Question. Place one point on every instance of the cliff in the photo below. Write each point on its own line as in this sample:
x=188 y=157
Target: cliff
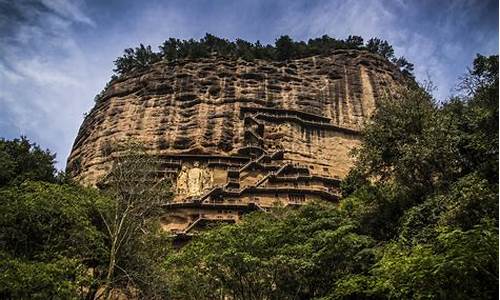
x=238 y=135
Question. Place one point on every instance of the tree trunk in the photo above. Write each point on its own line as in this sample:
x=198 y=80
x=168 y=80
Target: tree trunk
x=111 y=270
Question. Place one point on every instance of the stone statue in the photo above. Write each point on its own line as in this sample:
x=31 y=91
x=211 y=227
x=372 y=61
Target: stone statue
x=182 y=181
x=193 y=181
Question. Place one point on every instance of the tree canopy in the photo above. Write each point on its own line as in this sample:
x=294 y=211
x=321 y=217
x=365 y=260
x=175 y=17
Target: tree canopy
x=284 y=48
x=20 y=160
x=58 y=239
x=50 y=238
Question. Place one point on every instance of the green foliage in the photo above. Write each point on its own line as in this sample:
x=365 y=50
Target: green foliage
x=281 y=255
x=50 y=238
x=470 y=201
x=137 y=58
x=430 y=173
x=381 y=47
x=285 y=48
x=404 y=66
x=55 y=239
x=354 y=42
x=21 y=160
x=410 y=142
x=141 y=263
x=457 y=265
x=43 y=220
x=477 y=118
x=60 y=279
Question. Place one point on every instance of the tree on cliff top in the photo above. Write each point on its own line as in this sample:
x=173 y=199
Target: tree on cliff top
x=285 y=48
x=137 y=58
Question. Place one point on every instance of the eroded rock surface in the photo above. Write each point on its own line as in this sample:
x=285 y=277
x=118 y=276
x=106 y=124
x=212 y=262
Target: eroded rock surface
x=238 y=135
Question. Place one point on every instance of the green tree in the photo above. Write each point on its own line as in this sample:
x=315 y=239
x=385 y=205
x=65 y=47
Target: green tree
x=409 y=143
x=476 y=115
x=244 y=49
x=354 y=42
x=138 y=58
x=280 y=255
x=51 y=245
x=381 y=47
x=285 y=48
x=21 y=160
x=457 y=265
x=426 y=183
x=169 y=50
x=404 y=66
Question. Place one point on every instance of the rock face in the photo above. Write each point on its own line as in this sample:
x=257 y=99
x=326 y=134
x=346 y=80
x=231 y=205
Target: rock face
x=238 y=135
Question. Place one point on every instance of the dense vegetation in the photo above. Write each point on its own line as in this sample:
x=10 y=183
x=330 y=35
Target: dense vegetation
x=59 y=240
x=21 y=160
x=284 y=48
x=419 y=220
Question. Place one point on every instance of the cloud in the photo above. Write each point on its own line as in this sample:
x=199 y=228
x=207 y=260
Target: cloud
x=55 y=55
x=43 y=72
x=437 y=36
x=69 y=10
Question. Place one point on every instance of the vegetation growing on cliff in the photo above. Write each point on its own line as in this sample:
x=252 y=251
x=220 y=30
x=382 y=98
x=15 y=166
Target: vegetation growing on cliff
x=285 y=48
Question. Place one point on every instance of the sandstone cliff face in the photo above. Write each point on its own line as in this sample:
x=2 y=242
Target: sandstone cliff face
x=231 y=129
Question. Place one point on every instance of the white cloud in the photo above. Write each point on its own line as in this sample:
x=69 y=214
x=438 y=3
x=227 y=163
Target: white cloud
x=69 y=9
x=45 y=82
x=433 y=53
x=49 y=74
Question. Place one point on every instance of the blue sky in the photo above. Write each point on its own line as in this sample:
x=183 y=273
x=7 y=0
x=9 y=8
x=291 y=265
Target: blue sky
x=56 y=55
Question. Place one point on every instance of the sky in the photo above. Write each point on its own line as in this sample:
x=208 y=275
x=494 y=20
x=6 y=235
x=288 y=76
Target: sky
x=56 y=55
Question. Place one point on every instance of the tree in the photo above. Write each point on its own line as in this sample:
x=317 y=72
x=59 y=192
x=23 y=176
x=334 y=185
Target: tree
x=138 y=196
x=476 y=113
x=264 y=52
x=21 y=160
x=65 y=241
x=410 y=143
x=426 y=183
x=284 y=254
x=457 y=265
x=323 y=45
x=220 y=46
x=51 y=244
x=170 y=48
x=381 y=47
x=354 y=42
x=137 y=58
x=244 y=49
x=404 y=66
x=285 y=48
